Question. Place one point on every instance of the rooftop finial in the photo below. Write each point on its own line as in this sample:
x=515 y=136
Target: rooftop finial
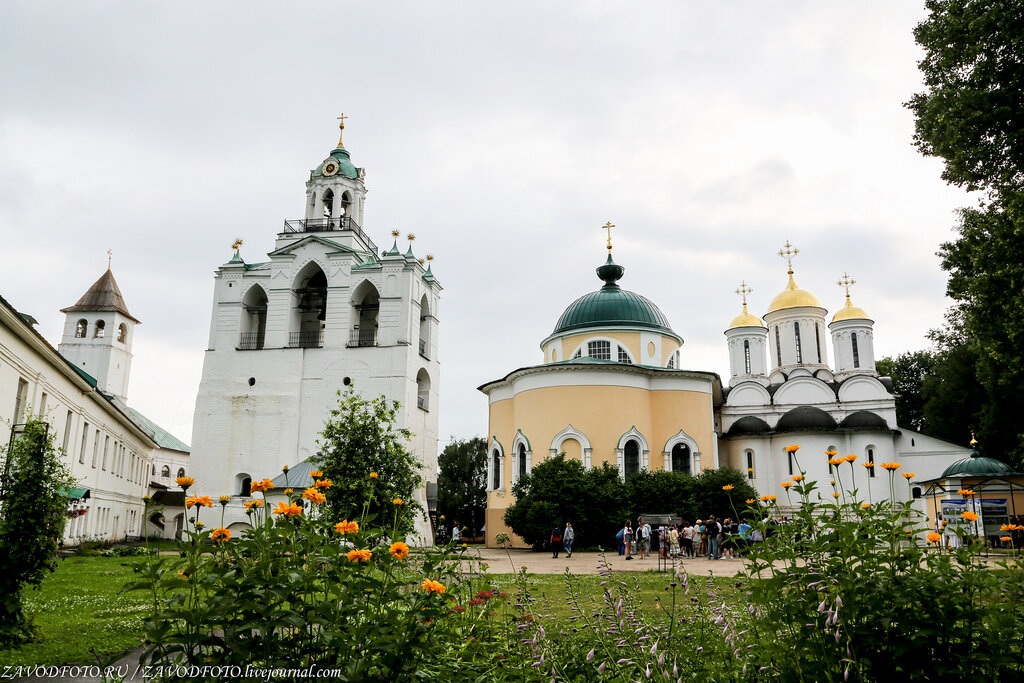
x=974 y=442
x=394 y=233
x=110 y=255
x=743 y=290
x=410 y=237
x=846 y=282
x=788 y=252
x=341 y=127
x=608 y=226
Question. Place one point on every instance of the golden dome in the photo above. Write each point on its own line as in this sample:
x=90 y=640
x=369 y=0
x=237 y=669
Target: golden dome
x=850 y=312
x=745 y=319
x=792 y=296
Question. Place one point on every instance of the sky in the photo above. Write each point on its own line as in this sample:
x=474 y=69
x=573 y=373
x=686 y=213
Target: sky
x=502 y=134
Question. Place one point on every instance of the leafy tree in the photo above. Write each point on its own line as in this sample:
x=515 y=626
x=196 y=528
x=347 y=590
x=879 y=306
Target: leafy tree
x=908 y=372
x=658 y=491
x=710 y=498
x=462 y=482
x=33 y=512
x=360 y=438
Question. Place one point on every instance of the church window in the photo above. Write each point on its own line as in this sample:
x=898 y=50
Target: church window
x=831 y=471
x=871 y=459
x=19 y=399
x=578 y=354
x=817 y=339
x=95 y=448
x=424 y=327
x=916 y=492
x=122 y=333
x=423 y=390
x=165 y=471
x=346 y=203
x=106 y=450
x=328 y=203
x=244 y=484
x=496 y=469
x=681 y=458
x=101 y=328
x=624 y=356
x=310 y=311
x=181 y=472
x=750 y=464
x=856 y=351
x=67 y=432
x=254 y=319
x=790 y=463
x=85 y=440
x=778 y=348
x=796 y=336
x=746 y=356
x=602 y=350
x=367 y=313
x=631 y=458
x=522 y=459
x=81 y=328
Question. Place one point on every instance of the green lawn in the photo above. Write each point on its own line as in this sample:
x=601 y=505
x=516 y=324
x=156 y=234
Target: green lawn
x=79 y=607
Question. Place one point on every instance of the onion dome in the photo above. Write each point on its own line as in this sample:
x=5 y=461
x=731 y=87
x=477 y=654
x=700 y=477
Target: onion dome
x=792 y=297
x=612 y=306
x=850 y=312
x=339 y=162
x=804 y=419
x=977 y=465
x=746 y=319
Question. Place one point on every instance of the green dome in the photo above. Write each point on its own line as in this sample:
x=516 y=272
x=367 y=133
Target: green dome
x=978 y=466
x=612 y=306
x=345 y=166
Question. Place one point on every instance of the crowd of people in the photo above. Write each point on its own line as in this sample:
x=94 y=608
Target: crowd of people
x=708 y=538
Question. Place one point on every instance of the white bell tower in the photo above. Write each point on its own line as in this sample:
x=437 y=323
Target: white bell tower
x=852 y=337
x=747 y=338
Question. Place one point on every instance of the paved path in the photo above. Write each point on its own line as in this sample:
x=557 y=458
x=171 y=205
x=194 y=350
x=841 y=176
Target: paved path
x=498 y=562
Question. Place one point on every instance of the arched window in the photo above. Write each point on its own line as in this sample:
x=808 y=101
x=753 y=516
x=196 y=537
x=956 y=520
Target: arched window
x=680 y=458
x=856 y=352
x=522 y=459
x=631 y=455
x=328 y=203
x=778 y=348
x=871 y=459
x=165 y=471
x=423 y=390
x=122 y=333
x=916 y=492
x=81 y=328
x=244 y=484
x=181 y=471
x=600 y=349
x=366 y=302
x=831 y=469
x=101 y=328
x=578 y=354
x=496 y=469
x=746 y=356
x=424 y=326
x=817 y=339
x=254 y=319
x=796 y=336
x=750 y=464
x=624 y=356
x=346 y=202
x=310 y=311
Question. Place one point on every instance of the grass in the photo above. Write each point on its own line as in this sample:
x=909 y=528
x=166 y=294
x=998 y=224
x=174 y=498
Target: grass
x=79 y=607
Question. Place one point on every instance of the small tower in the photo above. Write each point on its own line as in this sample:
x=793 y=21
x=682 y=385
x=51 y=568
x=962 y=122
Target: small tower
x=747 y=338
x=796 y=326
x=852 y=337
x=98 y=332
x=335 y=191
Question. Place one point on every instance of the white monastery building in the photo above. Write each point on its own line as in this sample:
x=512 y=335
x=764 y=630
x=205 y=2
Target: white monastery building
x=325 y=310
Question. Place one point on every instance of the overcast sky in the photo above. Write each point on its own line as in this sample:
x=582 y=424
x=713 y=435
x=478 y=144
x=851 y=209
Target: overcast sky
x=503 y=134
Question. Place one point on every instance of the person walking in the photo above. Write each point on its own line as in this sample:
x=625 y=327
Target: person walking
x=644 y=531
x=556 y=541
x=456 y=533
x=713 y=529
x=627 y=538
x=568 y=536
x=688 y=533
x=673 y=542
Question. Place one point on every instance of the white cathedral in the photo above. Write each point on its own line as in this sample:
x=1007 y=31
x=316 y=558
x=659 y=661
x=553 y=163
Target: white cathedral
x=326 y=309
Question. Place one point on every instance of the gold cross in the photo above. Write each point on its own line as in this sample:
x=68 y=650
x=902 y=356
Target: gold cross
x=237 y=244
x=394 y=233
x=788 y=253
x=608 y=226
x=341 y=127
x=410 y=237
x=845 y=281
x=743 y=290
x=109 y=255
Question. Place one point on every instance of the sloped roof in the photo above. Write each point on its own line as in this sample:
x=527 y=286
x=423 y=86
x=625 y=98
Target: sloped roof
x=161 y=436
x=103 y=295
x=297 y=477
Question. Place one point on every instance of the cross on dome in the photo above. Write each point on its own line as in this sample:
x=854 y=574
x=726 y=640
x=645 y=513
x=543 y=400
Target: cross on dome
x=341 y=127
x=845 y=282
x=744 y=290
x=788 y=252
x=608 y=226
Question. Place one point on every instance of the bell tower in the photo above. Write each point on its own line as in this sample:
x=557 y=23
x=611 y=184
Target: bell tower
x=335 y=190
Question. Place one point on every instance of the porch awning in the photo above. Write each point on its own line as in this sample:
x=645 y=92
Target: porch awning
x=75 y=493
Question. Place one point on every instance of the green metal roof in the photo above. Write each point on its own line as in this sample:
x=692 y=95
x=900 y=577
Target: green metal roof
x=978 y=466
x=163 y=438
x=612 y=306
x=345 y=166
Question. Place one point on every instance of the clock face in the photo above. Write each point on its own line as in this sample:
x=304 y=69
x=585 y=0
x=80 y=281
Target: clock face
x=330 y=167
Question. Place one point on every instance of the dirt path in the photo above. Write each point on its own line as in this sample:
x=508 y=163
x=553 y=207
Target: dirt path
x=497 y=562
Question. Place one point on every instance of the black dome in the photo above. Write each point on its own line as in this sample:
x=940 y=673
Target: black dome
x=748 y=425
x=806 y=418
x=863 y=419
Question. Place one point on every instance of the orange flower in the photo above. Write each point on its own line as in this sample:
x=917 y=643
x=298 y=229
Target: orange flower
x=849 y=457
x=831 y=452
x=835 y=495
x=798 y=477
x=399 y=550
x=793 y=449
x=288 y=510
x=184 y=482
x=347 y=527
x=433 y=586
x=1005 y=539
x=966 y=492
x=373 y=475
x=934 y=537
x=316 y=474
x=250 y=504
x=314 y=496
x=285 y=468
x=767 y=499
x=359 y=555
x=750 y=501
x=868 y=464
x=221 y=534
x=287 y=491
x=728 y=487
x=265 y=485
x=865 y=505
x=836 y=461
x=909 y=475
x=750 y=469
x=224 y=500
x=786 y=484
x=969 y=516
x=201 y=501
x=398 y=501
x=324 y=484
x=891 y=466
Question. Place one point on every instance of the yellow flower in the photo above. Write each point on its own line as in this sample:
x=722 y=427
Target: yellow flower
x=313 y=495
x=373 y=475
x=324 y=484
x=750 y=501
x=433 y=586
x=316 y=474
x=288 y=510
x=786 y=484
x=265 y=485
x=890 y=466
x=798 y=477
x=201 y=501
x=793 y=449
x=832 y=481
x=865 y=505
x=849 y=457
x=250 y=504
x=868 y=464
x=347 y=527
x=398 y=501
x=224 y=500
x=399 y=550
x=966 y=492
x=934 y=537
x=359 y=555
x=285 y=468
x=831 y=452
x=1005 y=539
x=442 y=516
x=184 y=482
x=909 y=475
x=969 y=516
x=835 y=495
x=221 y=534
x=767 y=499
x=750 y=469
x=728 y=487
x=287 y=491
x=836 y=462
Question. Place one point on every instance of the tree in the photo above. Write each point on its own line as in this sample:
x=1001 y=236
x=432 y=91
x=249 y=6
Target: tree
x=462 y=482
x=360 y=438
x=908 y=372
x=33 y=512
x=711 y=498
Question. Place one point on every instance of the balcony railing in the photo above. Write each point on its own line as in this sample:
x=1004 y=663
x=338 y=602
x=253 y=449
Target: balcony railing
x=363 y=337
x=250 y=341
x=341 y=223
x=306 y=340
x=423 y=348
